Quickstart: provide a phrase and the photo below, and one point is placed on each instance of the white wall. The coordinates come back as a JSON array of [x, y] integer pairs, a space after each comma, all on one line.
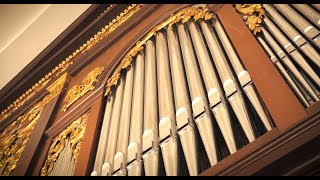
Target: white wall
[[26, 30]]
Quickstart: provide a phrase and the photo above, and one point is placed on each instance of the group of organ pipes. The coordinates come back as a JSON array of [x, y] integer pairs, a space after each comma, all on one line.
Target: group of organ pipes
[[185, 91], [290, 35], [187, 102]]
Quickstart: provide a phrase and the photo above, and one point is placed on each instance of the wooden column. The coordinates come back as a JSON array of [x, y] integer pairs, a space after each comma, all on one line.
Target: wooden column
[[85, 158], [90, 138], [284, 107], [56, 89]]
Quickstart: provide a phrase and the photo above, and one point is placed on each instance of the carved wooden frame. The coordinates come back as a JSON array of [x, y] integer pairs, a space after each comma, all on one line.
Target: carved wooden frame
[[86, 153]]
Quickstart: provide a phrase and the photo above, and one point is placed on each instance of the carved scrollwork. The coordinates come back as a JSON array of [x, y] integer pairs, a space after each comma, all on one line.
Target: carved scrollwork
[[14, 138], [68, 61], [86, 85], [74, 132], [182, 16], [253, 14]]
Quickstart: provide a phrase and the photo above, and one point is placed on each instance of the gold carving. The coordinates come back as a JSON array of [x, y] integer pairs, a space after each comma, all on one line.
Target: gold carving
[[114, 24], [104, 32], [14, 137], [183, 16], [250, 12], [74, 132], [22, 99], [86, 85]]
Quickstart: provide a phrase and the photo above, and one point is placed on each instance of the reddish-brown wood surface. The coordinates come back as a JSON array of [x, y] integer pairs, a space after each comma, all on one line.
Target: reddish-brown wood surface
[[282, 104]]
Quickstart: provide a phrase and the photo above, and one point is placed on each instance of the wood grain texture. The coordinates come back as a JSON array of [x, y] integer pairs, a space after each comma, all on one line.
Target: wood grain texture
[[281, 102]]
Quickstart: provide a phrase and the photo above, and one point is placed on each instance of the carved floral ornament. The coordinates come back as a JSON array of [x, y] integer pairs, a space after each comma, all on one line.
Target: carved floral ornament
[[182, 16], [103, 33], [253, 15], [14, 138], [74, 133], [86, 85]]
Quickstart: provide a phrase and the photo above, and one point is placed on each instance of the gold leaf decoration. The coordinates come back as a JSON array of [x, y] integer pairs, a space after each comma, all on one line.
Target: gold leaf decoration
[[86, 85], [253, 14], [59, 69], [74, 133], [183, 16], [14, 137]]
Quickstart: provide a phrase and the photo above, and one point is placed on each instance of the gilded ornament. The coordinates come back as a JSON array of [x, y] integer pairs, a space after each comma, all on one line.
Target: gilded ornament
[[59, 69], [86, 85], [253, 14], [74, 132], [183, 16]]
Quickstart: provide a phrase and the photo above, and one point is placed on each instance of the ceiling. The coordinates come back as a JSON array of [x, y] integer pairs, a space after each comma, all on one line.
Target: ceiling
[[27, 29]]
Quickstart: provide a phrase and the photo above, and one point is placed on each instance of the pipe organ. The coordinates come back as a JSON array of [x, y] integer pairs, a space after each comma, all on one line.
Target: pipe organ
[[290, 36], [189, 83], [172, 90]]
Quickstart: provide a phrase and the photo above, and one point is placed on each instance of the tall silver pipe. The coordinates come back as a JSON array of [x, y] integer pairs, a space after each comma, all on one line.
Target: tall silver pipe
[[150, 144], [167, 124], [277, 63], [185, 122], [101, 152], [229, 85], [134, 155], [310, 13], [290, 49], [200, 105], [298, 20], [107, 167], [292, 34], [242, 74], [213, 89], [120, 159]]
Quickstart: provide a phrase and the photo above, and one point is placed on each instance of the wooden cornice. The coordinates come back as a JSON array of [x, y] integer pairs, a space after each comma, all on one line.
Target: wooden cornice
[[96, 17]]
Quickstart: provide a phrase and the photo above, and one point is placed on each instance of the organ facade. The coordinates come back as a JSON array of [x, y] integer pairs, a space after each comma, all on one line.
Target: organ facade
[[170, 90]]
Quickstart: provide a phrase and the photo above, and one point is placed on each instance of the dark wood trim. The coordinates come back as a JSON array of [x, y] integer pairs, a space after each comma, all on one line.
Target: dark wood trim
[[46, 116], [90, 139], [116, 61], [35, 138], [314, 109], [301, 161], [74, 113], [21, 110], [61, 47], [105, 43], [302, 168], [272, 149], [283, 105], [40, 157]]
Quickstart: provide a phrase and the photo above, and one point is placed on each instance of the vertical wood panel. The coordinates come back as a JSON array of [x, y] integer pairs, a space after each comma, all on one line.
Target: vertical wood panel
[[282, 104], [85, 158], [35, 138]]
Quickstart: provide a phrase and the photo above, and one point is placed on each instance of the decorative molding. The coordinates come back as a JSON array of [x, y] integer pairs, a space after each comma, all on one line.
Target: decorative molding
[[183, 16], [250, 12], [74, 132], [86, 85], [109, 28], [22, 99], [104, 32], [14, 137]]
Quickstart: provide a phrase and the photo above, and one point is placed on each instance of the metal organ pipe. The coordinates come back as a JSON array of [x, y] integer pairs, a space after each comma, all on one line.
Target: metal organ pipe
[[167, 123], [185, 122], [134, 156], [150, 143]]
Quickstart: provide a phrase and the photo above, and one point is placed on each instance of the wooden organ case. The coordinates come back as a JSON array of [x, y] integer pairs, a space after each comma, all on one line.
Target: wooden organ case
[[170, 89]]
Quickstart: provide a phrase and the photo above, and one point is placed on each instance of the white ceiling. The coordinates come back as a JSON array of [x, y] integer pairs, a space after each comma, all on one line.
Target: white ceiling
[[27, 29]]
